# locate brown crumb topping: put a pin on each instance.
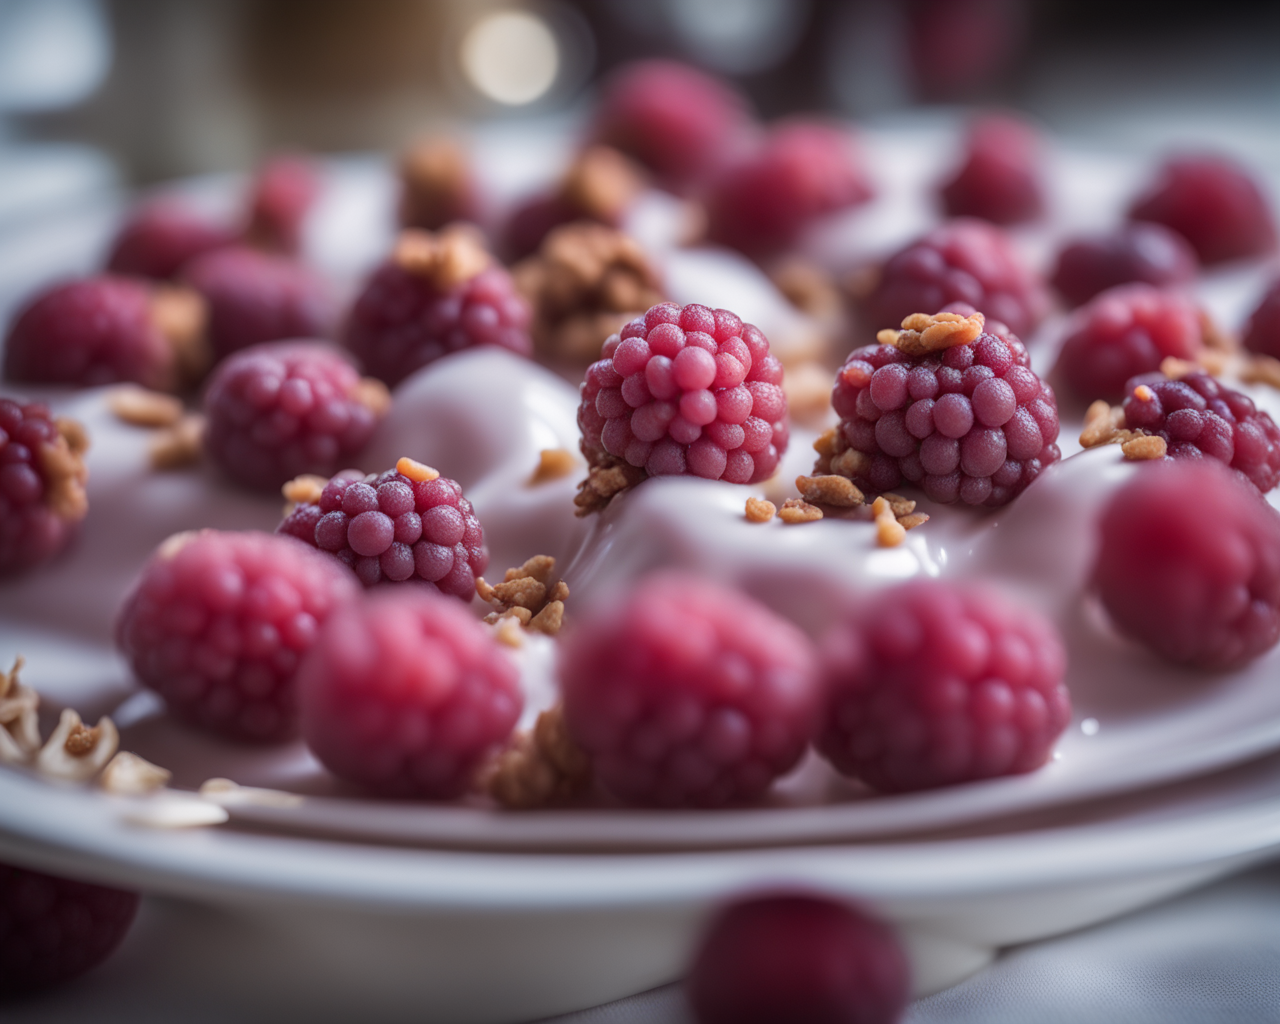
(418, 472)
(922, 334)
(759, 510)
(796, 510)
(532, 594)
(809, 288)
(302, 490)
(435, 178)
(889, 532)
(182, 315)
(913, 519)
(180, 445)
(64, 471)
(602, 183)
(553, 463)
(447, 258)
(1145, 447)
(141, 407)
(603, 482)
(542, 767)
(830, 489)
(1105, 424)
(81, 740)
(838, 462)
(373, 395)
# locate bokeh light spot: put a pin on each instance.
(511, 57)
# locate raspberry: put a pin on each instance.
(1214, 204)
(1262, 332)
(1000, 180)
(971, 423)
(218, 623)
(931, 685)
(283, 192)
(1137, 252)
(962, 260)
(280, 410)
(55, 929)
(688, 694)
(686, 389)
(1197, 416)
(797, 957)
(407, 694)
(802, 171)
(1124, 332)
(161, 236)
(1189, 565)
(674, 119)
(42, 475)
(94, 331)
(393, 526)
(255, 297)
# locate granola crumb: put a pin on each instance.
(759, 510)
(831, 489)
(602, 183)
(531, 594)
(373, 395)
(181, 314)
(507, 631)
(922, 334)
(901, 506)
(1144, 447)
(1261, 370)
(65, 471)
(542, 767)
(75, 752)
(303, 490)
(549, 618)
(850, 463)
(602, 483)
(418, 472)
(178, 446)
(447, 258)
(912, 520)
(553, 463)
(797, 510)
(142, 407)
(435, 175)
(1175, 368)
(889, 532)
(74, 433)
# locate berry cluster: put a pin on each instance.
(686, 390)
(1262, 331)
(1137, 252)
(161, 236)
(999, 180)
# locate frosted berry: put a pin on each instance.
(674, 119)
(801, 171)
(407, 694)
(688, 693)
(972, 423)
(1001, 177)
(54, 929)
(280, 410)
(1135, 252)
(686, 389)
(930, 684)
(42, 475)
(1197, 416)
(283, 193)
(962, 260)
(1214, 203)
(1189, 565)
(159, 238)
(218, 623)
(254, 297)
(394, 527)
(1262, 331)
(797, 957)
(1124, 332)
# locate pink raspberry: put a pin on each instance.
(687, 389)
(962, 260)
(972, 423)
(159, 237)
(802, 171)
(688, 693)
(255, 297)
(930, 685)
(797, 957)
(1214, 203)
(1262, 331)
(1136, 252)
(42, 475)
(1197, 416)
(1126, 331)
(218, 624)
(674, 119)
(1189, 565)
(1001, 177)
(283, 409)
(407, 695)
(55, 929)
(408, 523)
(283, 193)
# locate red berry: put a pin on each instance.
(1124, 332)
(1137, 252)
(280, 410)
(407, 694)
(161, 236)
(283, 192)
(930, 685)
(1000, 179)
(961, 261)
(1262, 332)
(798, 957)
(688, 693)
(1214, 204)
(218, 623)
(802, 171)
(1189, 565)
(55, 929)
(1197, 416)
(393, 528)
(687, 390)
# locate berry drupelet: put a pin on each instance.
(409, 523)
(1136, 252)
(1189, 565)
(1262, 331)
(950, 404)
(218, 623)
(931, 685)
(688, 693)
(437, 294)
(1000, 179)
(686, 390)
(407, 694)
(281, 410)
(161, 236)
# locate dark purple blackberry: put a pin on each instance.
(1262, 331)
(280, 410)
(968, 421)
(42, 475)
(1137, 252)
(436, 295)
(1197, 416)
(408, 523)
(161, 236)
(1000, 179)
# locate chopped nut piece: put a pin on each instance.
(129, 775)
(759, 510)
(530, 593)
(436, 179)
(889, 532)
(373, 395)
(303, 490)
(602, 483)
(524, 592)
(794, 510)
(829, 443)
(76, 753)
(73, 432)
(549, 619)
(1175, 368)
(180, 445)
(418, 472)
(181, 314)
(911, 521)
(1101, 422)
(809, 288)
(541, 767)
(829, 490)
(1261, 370)
(140, 407)
(507, 630)
(901, 506)
(602, 183)
(446, 258)
(65, 471)
(922, 333)
(850, 463)
(1144, 447)
(808, 389)
(553, 463)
